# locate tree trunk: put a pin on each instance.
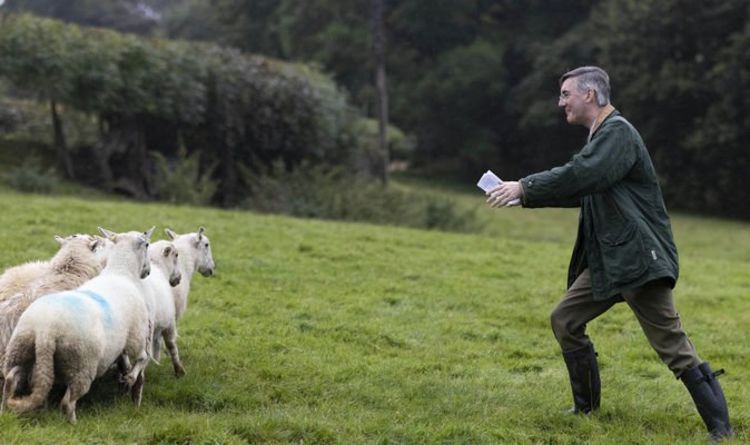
(378, 46)
(102, 152)
(61, 146)
(141, 173)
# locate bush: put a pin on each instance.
(181, 181)
(9, 118)
(32, 177)
(144, 95)
(320, 191)
(369, 158)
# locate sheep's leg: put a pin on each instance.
(156, 347)
(9, 387)
(22, 383)
(170, 339)
(123, 367)
(123, 364)
(136, 392)
(76, 389)
(7, 390)
(140, 364)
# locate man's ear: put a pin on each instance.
(590, 96)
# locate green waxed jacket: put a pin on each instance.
(624, 233)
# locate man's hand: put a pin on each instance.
(504, 194)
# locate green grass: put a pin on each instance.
(318, 332)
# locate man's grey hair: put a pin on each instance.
(591, 78)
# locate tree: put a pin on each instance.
(378, 43)
(124, 15)
(235, 109)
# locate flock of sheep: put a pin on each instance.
(100, 302)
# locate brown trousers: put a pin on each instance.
(651, 303)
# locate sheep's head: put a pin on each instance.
(201, 246)
(206, 263)
(137, 242)
(164, 255)
(84, 249)
(100, 247)
(171, 258)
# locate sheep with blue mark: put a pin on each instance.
(76, 335)
(80, 258)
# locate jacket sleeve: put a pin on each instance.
(570, 202)
(603, 162)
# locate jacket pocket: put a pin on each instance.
(623, 255)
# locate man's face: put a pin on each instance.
(575, 104)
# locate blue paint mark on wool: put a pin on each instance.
(74, 300)
(103, 304)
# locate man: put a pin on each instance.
(624, 250)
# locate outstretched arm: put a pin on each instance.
(504, 194)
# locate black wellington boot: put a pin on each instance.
(709, 399)
(584, 379)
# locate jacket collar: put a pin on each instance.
(604, 113)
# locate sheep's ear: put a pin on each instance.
(149, 233)
(107, 233)
(96, 243)
(201, 229)
(60, 240)
(170, 233)
(167, 250)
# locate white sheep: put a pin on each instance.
(165, 275)
(76, 335)
(18, 278)
(195, 255)
(80, 258)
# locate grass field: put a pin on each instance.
(315, 332)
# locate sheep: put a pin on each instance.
(165, 260)
(165, 274)
(68, 258)
(80, 258)
(16, 278)
(195, 255)
(76, 335)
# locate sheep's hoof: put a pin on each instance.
(130, 379)
(136, 392)
(179, 371)
(70, 414)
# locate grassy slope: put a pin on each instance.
(320, 332)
